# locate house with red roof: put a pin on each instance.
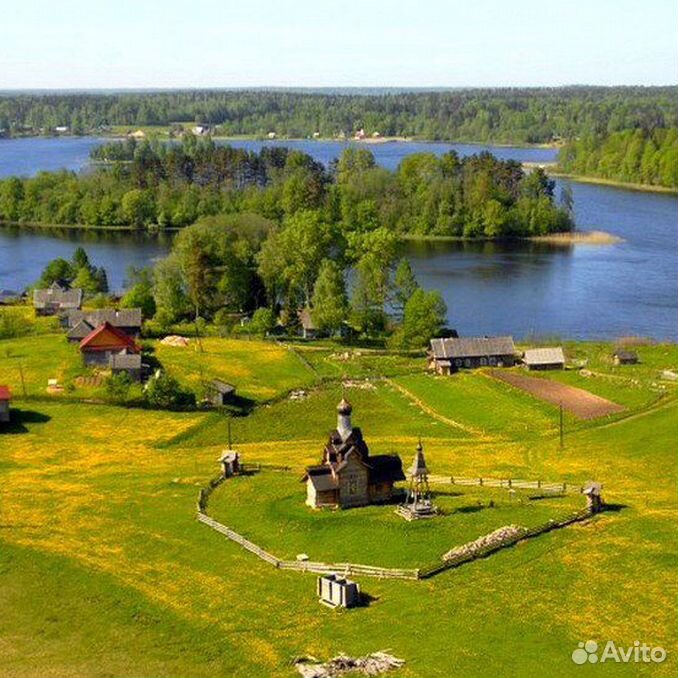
(104, 345)
(5, 397)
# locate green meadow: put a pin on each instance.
(104, 571)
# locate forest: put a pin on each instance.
(634, 156)
(154, 184)
(531, 115)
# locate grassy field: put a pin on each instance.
(266, 508)
(261, 370)
(104, 571)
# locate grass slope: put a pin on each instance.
(105, 572)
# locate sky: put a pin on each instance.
(312, 43)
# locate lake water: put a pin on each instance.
(584, 291)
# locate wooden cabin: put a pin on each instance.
(451, 354)
(348, 475)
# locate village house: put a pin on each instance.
(57, 298)
(624, 357)
(348, 475)
(544, 358)
(454, 353)
(81, 323)
(104, 346)
(309, 330)
(5, 397)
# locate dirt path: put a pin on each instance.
(577, 401)
(436, 415)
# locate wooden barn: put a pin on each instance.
(544, 358)
(348, 475)
(5, 397)
(455, 353)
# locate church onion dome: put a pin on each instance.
(344, 407)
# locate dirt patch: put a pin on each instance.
(577, 401)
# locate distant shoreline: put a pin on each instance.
(613, 183)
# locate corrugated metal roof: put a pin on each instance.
(544, 356)
(471, 347)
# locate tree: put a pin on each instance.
(164, 392)
(290, 258)
(56, 270)
(80, 258)
(140, 294)
(329, 303)
(169, 291)
(137, 208)
(263, 321)
(425, 316)
(404, 286)
(118, 386)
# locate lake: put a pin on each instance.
(586, 291)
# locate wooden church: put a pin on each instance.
(348, 475)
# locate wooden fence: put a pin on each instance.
(508, 483)
(354, 569)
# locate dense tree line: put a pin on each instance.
(485, 115)
(176, 184)
(636, 156)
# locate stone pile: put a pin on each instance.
(496, 538)
(175, 340)
(370, 665)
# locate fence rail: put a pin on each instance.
(509, 483)
(356, 569)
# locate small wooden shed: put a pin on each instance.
(337, 591)
(623, 357)
(220, 392)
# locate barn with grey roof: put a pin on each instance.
(455, 353)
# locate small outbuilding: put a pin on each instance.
(220, 392)
(127, 362)
(451, 354)
(5, 397)
(624, 357)
(230, 462)
(337, 591)
(544, 358)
